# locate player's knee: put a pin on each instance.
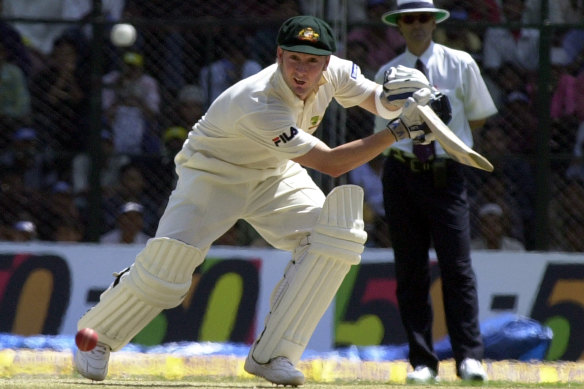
(343, 244)
(162, 272)
(339, 231)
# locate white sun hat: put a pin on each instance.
(414, 6)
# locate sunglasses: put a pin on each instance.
(411, 18)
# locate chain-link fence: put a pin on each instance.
(87, 127)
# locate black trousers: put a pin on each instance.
(428, 205)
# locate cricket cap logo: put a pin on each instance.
(308, 34)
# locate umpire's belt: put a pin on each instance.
(411, 161)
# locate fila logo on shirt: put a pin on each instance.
(285, 137)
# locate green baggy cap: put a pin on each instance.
(307, 34)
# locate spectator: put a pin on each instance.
(129, 226)
(24, 231)
(132, 187)
(112, 162)
(356, 9)
(272, 17)
(576, 168)
(498, 188)
(232, 67)
(574, 232)
(39, 36)
(191, 99)
(161, 169)
(187, 108)
(111, 11)
(15, 49)
(14, 95)
(358, 52)
(59, 206)
(565, 88)
(17, 201)
(519, 121)
(131, 100)
(493, 229)
(506, 79)
(517, 45)
(566, 209)
(125, 11)
(60, 100)
(181, 49)
(368, 176)
(173, 139)
(559, 11)
(573, 43)
(380, 43)
(358, 121)
(25, 153)
(68, 230)
(474, 10)
(512, 182)
(460, 37)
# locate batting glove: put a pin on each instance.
(402, 82)
(410, 125)
(441, 106)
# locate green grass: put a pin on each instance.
(51, 382)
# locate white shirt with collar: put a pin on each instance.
(255, 127)
(456, 74)
(500, 46)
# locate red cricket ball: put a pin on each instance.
(86, 339)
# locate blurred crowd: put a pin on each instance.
(154, 91)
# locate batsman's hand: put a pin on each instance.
(410, 124)
(441, 106)
(402, 82)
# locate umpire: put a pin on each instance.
(426, 199)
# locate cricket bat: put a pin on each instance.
(451, 143)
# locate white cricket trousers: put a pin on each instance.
(282, 206)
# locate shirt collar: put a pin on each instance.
(425, 57)
(287, 93)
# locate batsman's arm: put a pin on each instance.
(346, 157)
(341, 159)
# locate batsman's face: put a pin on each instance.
(301, 71)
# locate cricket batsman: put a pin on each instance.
(246, 159)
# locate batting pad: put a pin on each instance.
(313, 277)
(159, 279)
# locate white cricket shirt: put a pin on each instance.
(256, 126)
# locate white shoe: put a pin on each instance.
(93, 364)
(422, 375)
(279, 371)
(472, 370)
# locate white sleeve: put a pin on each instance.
(381, 110)
(351, 87)
(491, 56)
(479, 103)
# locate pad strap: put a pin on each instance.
(159, 279)
(313, 277)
